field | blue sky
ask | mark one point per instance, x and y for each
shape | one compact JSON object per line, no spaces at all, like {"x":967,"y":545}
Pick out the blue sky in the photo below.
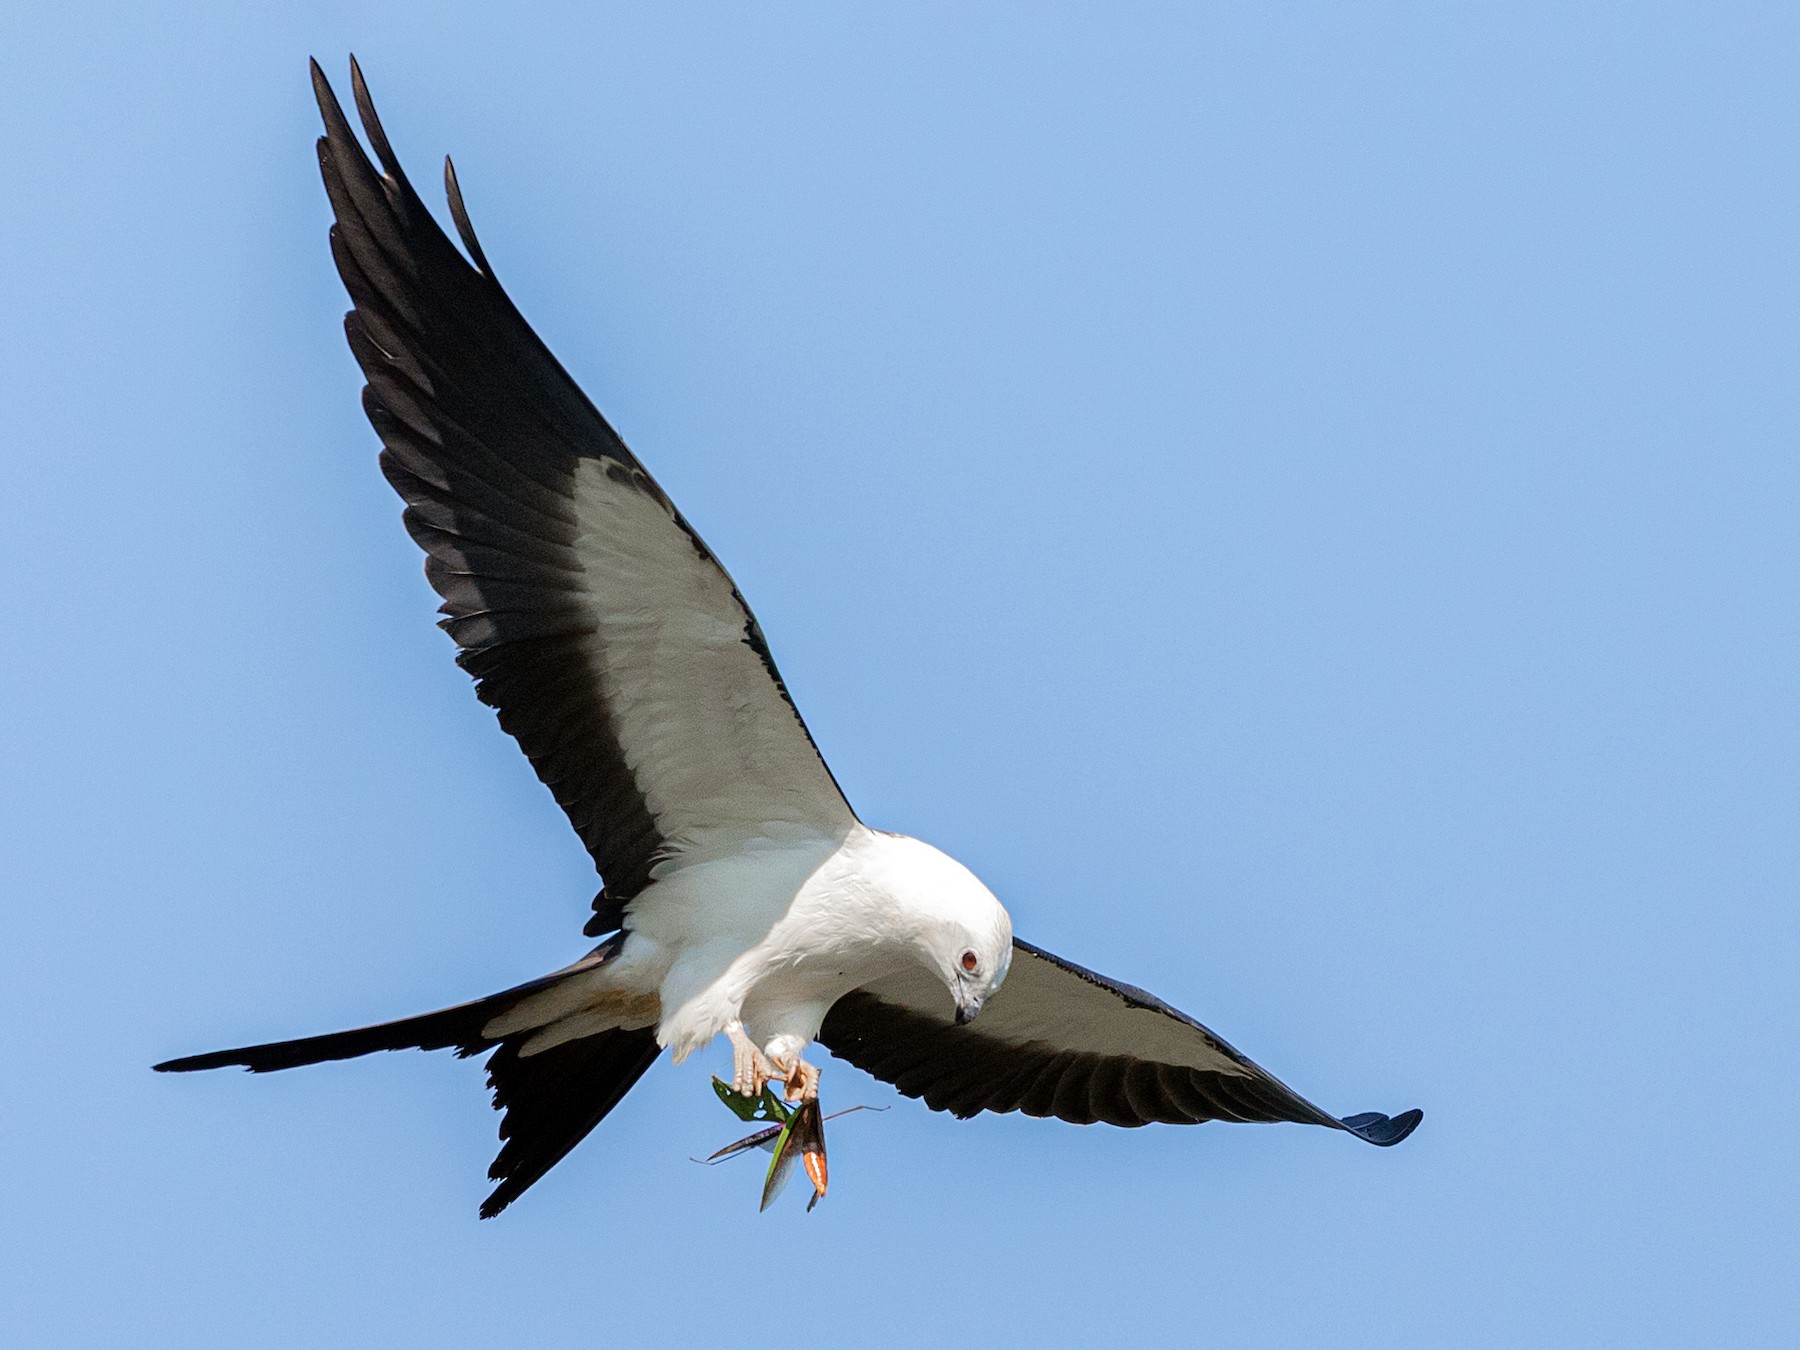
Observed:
{"x":1301,"y":499}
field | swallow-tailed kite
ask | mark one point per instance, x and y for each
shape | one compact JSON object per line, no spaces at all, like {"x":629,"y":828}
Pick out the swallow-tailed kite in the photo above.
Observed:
{"x":742,"y":895}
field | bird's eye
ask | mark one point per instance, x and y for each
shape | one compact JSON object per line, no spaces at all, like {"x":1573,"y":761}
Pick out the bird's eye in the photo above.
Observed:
{"x":970,"y":961}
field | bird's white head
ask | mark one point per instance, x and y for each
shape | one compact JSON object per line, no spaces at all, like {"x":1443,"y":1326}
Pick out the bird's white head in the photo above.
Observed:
{"x":959,"y":931}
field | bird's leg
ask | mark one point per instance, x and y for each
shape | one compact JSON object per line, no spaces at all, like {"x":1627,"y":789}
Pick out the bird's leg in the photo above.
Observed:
{"x":802,"y":1079}
{"x":751,"y":1069}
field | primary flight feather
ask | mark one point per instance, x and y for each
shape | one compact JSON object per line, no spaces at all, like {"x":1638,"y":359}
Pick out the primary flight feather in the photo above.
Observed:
{"x":741,"y":895}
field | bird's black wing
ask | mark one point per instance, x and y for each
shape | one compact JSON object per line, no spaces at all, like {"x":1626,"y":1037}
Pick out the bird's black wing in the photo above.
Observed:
{"x":1058,"y":1040}
{"x":613,"y":645}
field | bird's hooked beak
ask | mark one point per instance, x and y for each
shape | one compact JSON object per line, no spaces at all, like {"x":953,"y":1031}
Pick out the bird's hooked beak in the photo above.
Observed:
{"x":967,"y":1005}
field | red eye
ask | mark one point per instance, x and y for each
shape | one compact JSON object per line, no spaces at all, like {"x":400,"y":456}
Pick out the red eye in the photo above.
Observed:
{"x":970,"y":961}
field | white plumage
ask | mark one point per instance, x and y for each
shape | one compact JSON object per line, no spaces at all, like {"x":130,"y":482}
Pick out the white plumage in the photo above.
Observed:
{"x":775,"y":937}
{"x":742,"y":895}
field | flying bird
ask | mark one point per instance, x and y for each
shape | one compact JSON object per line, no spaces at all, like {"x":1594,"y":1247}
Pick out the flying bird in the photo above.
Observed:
{"x":741,"y":895}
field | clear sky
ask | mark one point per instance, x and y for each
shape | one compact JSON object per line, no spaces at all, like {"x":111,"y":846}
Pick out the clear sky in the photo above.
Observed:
{"x":1301,"y":499}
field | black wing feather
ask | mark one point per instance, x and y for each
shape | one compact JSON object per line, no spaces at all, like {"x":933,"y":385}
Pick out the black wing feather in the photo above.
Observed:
{"x":1060,"y":1040}
{"x":494,"y":450}
{"x":482,"y":428}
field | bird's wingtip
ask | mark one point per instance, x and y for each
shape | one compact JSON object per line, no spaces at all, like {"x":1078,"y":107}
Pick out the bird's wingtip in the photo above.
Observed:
{"x":219,"y":1059}
{"x":1383,"y":1131}
{"x":492,"y":1207}
{"x":321,"y":83}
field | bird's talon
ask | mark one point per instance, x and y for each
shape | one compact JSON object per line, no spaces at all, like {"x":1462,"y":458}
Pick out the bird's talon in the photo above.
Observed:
{"x":802,"y":1082}
{"x":751,"y":1069}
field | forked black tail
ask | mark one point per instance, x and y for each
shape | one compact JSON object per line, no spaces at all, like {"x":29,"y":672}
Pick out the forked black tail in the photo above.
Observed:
{"x":551,"y":1100}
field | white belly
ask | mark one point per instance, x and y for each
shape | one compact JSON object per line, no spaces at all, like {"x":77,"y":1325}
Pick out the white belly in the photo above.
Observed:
{"x":766,"y":932}
{"x":769,"y":936}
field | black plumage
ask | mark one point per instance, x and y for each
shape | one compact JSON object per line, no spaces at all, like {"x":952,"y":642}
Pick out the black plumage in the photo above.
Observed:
{"x":551,"y":1099}
{"x":990,"y":1065}
{"x":508,"y":474}
{"x":554,"y":1098}
{"x":482,"y":428}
